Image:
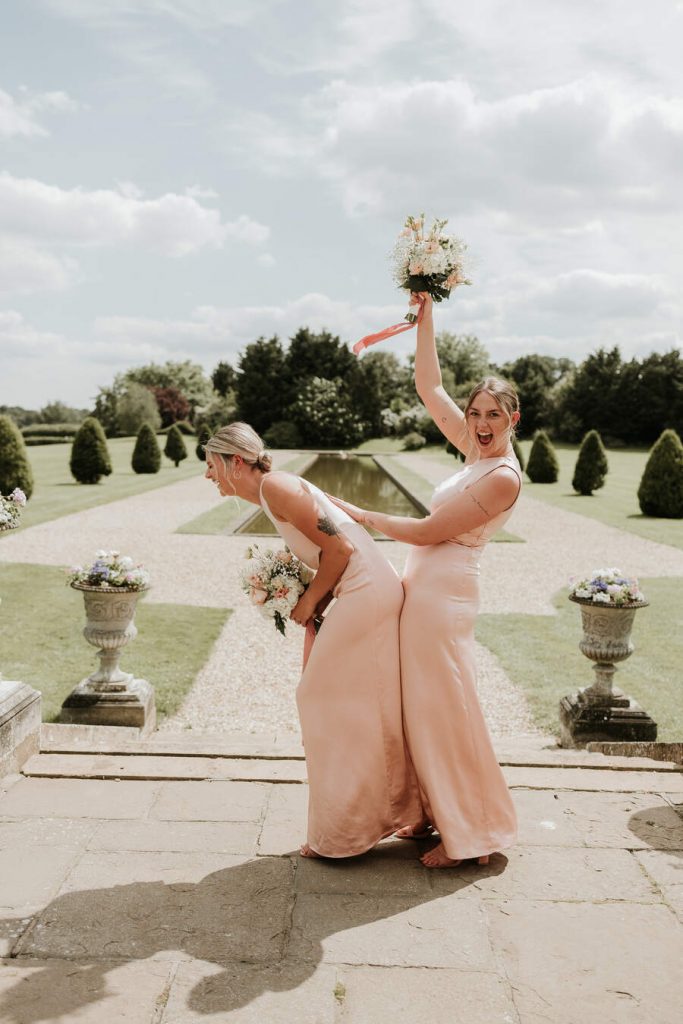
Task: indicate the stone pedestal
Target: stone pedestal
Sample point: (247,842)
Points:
(617,717)
(19,724)
(130,704)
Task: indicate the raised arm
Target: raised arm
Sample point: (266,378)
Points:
(290,500)
(447,415)
(469,510)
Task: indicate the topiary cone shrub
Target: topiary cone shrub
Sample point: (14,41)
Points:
(90,459)
(146,454)
(15,469)
(661,487)
(542,467)
(591,465)
(519,454)
(175,449)
(204,435)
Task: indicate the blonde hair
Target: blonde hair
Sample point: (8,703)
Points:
(240,439)
(502,391)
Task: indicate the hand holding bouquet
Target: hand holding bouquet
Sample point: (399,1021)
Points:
(431,262)
(274,582)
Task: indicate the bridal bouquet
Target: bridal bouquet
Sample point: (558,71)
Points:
(608,587)
(10,509)
(428,262)
(274,581)
(110,569)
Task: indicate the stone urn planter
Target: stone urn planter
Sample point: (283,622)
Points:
(110,696)
(601,712)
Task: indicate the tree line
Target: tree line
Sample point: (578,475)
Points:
(316,392)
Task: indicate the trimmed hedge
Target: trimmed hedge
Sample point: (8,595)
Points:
(591,465)
(15,469)
(519,454)
(175,449)
(146,454)
(68,430)
(89,453)
(32,441)
(542,467)
(661,486)
(204,435)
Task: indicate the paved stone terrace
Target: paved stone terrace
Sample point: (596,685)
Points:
(159,902)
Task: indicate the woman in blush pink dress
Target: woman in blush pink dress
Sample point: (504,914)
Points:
(362,785)
(465,796)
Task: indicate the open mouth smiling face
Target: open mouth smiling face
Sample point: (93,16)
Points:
(487,423)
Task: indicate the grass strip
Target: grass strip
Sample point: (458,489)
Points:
(41,619)
(540,654)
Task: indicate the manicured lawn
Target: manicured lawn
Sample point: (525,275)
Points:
(540,654)
(615,504)
(222,518)
(380,446)
(57,493)
(41,619)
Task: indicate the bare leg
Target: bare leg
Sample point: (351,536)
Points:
(306,851)
(422,830)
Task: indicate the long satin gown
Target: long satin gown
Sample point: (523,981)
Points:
(362,786)
(464,793)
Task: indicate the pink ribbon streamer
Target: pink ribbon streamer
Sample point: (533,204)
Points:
(388,332)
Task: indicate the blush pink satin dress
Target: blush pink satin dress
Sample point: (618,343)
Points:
(362,785)
(464,793)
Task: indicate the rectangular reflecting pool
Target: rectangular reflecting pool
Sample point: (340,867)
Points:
(355,478)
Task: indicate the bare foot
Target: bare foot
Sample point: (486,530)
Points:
(420,831)
(306,851)
(438,858)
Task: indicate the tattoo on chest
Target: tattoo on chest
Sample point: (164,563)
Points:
(325,525)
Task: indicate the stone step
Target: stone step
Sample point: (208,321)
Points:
(169,767)
(528,751)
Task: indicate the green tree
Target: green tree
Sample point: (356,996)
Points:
(535,376)
(15,469)
(386,379)
(90,459)
(283,434)
(106,409)
(175,449)
(172,405)
(650,396)
(591,465)
(202,437)
(187,377)
(661,487)
(223,379)
(542,467)
(260,383)
(592,400)
(137,405)
(325,416)
(58,412)
(146,454)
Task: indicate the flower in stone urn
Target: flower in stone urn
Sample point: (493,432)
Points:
(607,587)
(11,506)
(109,570)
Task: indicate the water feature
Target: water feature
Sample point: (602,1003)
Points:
(356,478)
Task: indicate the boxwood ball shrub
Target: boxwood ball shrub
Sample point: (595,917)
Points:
(90,459)
(661,486)
(146,454)
(413,441)
(542,467)
(15,469)
(591,465)
(175,449)
(283,434)
(203,437)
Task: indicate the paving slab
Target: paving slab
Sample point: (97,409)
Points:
(390,931)
(35,991)
(33,832)
(594,963)
(252,994)
(545,820)
(29,878)
(392,868)
(77,798)
(665,868)
(210,801)
(284,822)
(179,836)
(150,766)
(374,995)
(630,821)
(167,906)
(594,780)
(540,873)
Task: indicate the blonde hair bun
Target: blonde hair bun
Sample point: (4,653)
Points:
(240,439)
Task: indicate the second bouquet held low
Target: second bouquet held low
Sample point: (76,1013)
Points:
(274,582)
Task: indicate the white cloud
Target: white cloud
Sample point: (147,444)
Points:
(19,116)
(24,268)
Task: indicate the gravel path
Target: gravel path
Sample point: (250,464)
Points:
(248,682)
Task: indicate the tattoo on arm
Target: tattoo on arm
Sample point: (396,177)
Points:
(325,525)
(485,511)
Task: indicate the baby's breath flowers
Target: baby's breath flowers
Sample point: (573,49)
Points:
(274,582)
(428,261)
(11,506)
(607,587)
(110,569)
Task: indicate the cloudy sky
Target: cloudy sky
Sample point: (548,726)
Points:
(179,177)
